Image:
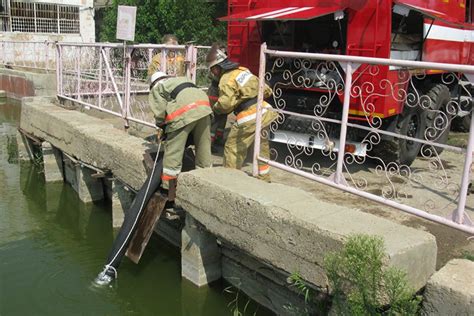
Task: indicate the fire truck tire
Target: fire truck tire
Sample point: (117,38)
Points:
(462,124)
(412,122)
(438,125)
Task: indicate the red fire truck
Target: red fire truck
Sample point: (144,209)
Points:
(425,30)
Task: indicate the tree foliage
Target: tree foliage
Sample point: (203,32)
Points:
(189,20)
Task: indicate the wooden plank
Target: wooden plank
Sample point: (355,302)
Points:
(146,224)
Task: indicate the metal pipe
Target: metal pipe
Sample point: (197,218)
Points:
(141,122)
(58,71)
(78,70)
(458,215)
(90,105)
(258,120)
(100,76)
(345,117)
(126,110)
(375,61)
(372,129)
(163,66)
(372,197)
(61,67)
(107,66)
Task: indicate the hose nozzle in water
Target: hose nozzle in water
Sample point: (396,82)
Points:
(106,277)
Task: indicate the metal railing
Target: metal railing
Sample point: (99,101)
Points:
(351,147)
(113,78)
(29,55)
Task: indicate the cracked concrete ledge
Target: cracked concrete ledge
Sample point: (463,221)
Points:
(89,139)
(291,230)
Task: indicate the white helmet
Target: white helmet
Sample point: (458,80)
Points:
(215,56)
(158,75)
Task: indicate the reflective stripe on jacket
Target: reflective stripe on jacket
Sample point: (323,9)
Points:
(190,104)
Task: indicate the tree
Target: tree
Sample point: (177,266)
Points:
(189,20)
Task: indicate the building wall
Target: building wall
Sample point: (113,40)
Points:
(87,26)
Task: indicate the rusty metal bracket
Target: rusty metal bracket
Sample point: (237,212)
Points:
(100,173)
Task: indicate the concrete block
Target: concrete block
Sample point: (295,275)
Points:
(450,291)
(292,230)
(263,284)
(200,254)
(88,189)
(89,139)
(52,162)
(121,202)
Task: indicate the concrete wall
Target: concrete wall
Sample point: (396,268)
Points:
(19,84)
(291,229)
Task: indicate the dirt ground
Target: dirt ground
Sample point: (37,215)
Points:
(430,185)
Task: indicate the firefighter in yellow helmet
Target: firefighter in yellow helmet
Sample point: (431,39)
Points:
(238,89)
(175,62)
(180,109)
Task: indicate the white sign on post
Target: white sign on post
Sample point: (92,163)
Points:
(126,18)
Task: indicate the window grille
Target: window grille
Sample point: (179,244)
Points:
(42,18)
(4,17)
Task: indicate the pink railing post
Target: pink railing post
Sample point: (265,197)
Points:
(338,176)
(150,55)
(126,107)
(78,71)
(111,76)
(46,62)
(258,123)
(58,70)
(191,62)
(100,76)
(459,216)
(163,65)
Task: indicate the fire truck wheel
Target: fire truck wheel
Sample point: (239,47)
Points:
(438,121)
(462,124)
(411,123)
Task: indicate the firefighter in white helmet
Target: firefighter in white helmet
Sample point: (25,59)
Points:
(180,109)
(238,89)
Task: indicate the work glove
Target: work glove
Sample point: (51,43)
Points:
(160,134)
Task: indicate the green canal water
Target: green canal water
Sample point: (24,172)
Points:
(52,246)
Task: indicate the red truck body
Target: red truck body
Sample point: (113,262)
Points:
(444,30)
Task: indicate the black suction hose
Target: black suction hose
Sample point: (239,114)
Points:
(126,232)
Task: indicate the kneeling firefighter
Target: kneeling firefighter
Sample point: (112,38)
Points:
(238,89)
(181,110)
